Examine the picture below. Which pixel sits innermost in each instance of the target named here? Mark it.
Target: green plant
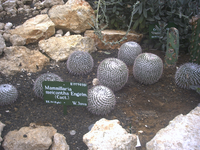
(113, 73)
(195, 40)
(188, 75)
(8, 94)
(147, 68)
(128, 52)
(38, 89)
(80, 62)
(171, 55)
(101, 100)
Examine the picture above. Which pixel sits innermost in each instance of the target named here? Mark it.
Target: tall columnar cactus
(148, 68)
(80, 62)
(172, 50)
(129, 51)
(195, 40)
(38, 89)
(113, 73)
(8, 94)
(101, 100)
(188, 75)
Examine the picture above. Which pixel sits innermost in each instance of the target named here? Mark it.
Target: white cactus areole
(188, 75)
(113, 73)
(101, 100)
(129, 51)
(147, 68)
(8, 94)
(38, 89)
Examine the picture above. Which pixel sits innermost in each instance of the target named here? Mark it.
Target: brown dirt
(146, 108)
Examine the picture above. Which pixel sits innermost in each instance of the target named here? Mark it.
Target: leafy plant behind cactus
(129, 51)
(113, 73)
(171, 55)
(80, 62)
(8, 94)
(188, 75)
(101, 100)
(38, 89)
(147, 68)
(195, 40)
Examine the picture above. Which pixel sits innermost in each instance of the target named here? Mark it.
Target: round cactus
(101, 100)
(38, 89)
(129, 51)
(80, 62)
(188, 75)
(113, 73)
(8, 94)
(147, 68)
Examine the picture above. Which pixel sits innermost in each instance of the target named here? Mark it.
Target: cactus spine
(38, 89)
(172, 51)
(8, 94)
(113, 73)
(147, 68)
(188, 75)
(129, 51)
(195, 40)
(101, 100)
(80, 62)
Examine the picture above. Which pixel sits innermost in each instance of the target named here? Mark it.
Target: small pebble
(72, 132)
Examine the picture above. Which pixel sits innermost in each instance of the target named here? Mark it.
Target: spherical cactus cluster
(38, 89)
(8, 94)
(129, 51)
(80, 62)
(113, 73)
(148, 68)
(188, 75)
(101, 100)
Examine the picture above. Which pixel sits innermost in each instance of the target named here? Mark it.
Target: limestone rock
(29, 138)
(2, 125)
(59, 142)
(73, 16)
(19, 58)
(112, 35)
(109, 135)
(50, 3)
(2, 44)
(17, 40)
(59, 48)
(182, 133)
(35, 29)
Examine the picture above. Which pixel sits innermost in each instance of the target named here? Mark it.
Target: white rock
(73, 16)
(1, 129)
(109, 135)
(29, 138)
(8, 26)
(59, 48)
(59, 142)
(9, 4)
(182, 133)
(6, 37)
(2, 44)
(17, 40)
(67, 33)
(59, 32)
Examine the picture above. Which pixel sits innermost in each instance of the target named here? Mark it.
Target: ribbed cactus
(113, 73)
(148, 68)
(80, 62)
(172, 51)
(38, 89)
(129, 51)
(8, 94)
(195, 40)
(101, 100)
(188, 75)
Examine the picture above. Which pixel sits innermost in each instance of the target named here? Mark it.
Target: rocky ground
(141, 109)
